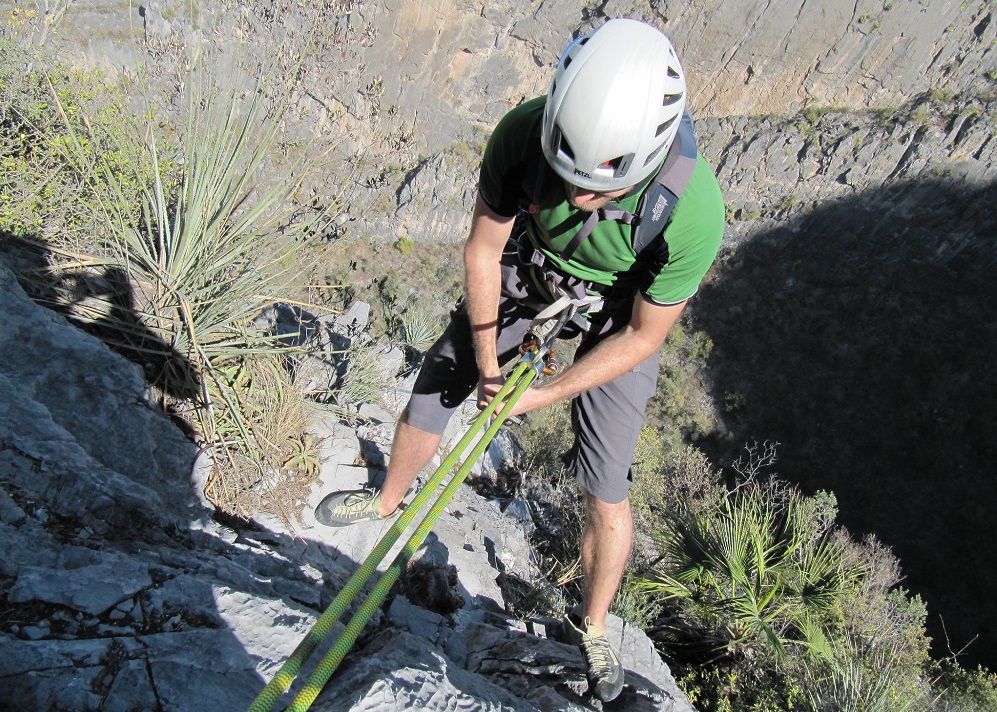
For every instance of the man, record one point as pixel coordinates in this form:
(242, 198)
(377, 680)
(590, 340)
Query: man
(604, 130)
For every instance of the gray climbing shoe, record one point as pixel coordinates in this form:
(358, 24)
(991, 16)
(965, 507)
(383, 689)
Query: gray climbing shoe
(602, 664)
(346, 507)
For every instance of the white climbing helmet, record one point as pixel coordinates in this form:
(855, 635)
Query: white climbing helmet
(613, 107)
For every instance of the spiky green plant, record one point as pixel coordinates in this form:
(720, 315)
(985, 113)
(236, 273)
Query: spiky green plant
(856, 677)
(750, 573)
(421, 326)
(362, 381)
(198, 242)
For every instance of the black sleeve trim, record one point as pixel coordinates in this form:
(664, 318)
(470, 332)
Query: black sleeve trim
(493, 209)
(666, 304)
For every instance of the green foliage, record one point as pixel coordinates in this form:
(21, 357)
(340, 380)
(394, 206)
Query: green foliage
(362, 381)
(41, 195)
(678, 407)
(965, 690)
(737, 687)
(404, 245)
(632, 605)
(667, 474)
(764, 604)
(304, 455)
(421, 326)
(788, 202)
(756, 572)
(416, 291)
(192, 251)
(546, 437)
(850, 674)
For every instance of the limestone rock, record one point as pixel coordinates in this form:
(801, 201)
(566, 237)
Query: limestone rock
(400, 672)
(129, 596)
(82, 579)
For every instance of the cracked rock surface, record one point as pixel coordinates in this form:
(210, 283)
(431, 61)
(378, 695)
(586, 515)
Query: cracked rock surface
(119, 592)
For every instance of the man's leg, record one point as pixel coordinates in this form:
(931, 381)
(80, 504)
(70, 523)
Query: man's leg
(448, 375)
(605, 548)
(411, 450)
(607, 422)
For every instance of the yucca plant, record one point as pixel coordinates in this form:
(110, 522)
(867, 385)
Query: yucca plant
(421, 326)
(198, 242)
(750, 574)
(362, 381)
(855, 677)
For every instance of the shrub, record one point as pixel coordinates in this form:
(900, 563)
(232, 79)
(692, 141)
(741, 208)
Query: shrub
(964, 690)
(405, 245)
(41, 195)
(187, 251)
(766, 605)
(758, 572)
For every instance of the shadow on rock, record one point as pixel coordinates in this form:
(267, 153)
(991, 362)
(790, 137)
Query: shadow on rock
(102, 302)
(118, 590)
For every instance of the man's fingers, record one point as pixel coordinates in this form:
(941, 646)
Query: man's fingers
(487, 389)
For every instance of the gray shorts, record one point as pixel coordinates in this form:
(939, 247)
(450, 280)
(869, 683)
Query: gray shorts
(606, 420)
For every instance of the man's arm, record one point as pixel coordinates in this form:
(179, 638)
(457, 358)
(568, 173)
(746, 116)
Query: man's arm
(483, 283)
(619, 353)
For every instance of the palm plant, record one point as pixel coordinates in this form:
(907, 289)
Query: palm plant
(750, 573)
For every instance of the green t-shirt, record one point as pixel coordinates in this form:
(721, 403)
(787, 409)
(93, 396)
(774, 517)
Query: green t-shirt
(607, 256)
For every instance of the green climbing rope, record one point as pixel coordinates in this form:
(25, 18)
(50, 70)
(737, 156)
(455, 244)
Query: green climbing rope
(484, 424)
(323, 671)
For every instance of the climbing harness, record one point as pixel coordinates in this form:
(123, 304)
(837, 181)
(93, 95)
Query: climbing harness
(536, 357)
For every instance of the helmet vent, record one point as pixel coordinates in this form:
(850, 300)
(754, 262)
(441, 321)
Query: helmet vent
(565, 148)
(613, 163)
(653, 155)
(664, 127)
(670, 99)
(673, 73)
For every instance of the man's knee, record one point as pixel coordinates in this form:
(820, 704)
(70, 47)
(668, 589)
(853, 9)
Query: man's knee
(603, 513)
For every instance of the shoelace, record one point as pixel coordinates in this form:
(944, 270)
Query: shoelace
(358, 501)
(599, 653)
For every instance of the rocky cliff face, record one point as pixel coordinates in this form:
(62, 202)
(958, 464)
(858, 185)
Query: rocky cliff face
(119, 591)
(410, 88)
(454, 70)
(115, 576)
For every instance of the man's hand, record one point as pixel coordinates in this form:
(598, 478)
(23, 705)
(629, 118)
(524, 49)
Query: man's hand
(612, 357)
(487, 388)
(532, 398)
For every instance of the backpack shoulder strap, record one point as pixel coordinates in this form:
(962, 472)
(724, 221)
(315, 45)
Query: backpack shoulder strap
(537, 177)
(667, 187)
